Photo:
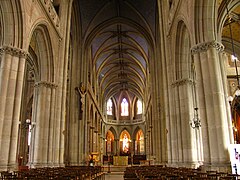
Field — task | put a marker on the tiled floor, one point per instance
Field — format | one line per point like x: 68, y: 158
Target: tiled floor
x: 114, y: 176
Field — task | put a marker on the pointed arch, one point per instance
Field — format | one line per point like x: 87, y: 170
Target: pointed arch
x: 139, y: 142
x: 41, y: 44
x: 112, y: 129
x: 125, y: 139
x: 183, y: 54
x: 109, y: 142
x: 13, y: 24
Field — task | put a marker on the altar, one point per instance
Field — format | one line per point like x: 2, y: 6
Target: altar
x: 120, y: 160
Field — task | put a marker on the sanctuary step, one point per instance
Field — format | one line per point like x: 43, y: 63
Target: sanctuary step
x: 113, y: 168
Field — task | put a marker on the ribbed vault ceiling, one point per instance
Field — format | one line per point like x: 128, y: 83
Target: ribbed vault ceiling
x: 233, y: 20
x: 121, y: 60
x: 120, y: 34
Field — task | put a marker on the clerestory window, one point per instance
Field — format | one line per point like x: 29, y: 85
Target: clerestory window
x: 139, y: 107
x: 124, y: 107
x: 109, y: 107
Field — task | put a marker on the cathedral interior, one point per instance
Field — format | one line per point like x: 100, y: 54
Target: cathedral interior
x: 119, y: 83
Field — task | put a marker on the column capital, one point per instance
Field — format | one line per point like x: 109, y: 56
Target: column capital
x: 202, y: 47
x: 45, y: 84
x: 183, y: 82
x: 13, y: 51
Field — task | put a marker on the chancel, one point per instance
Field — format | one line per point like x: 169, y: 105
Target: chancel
x: 91, y: 87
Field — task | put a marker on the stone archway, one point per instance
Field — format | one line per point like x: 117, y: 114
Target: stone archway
x: 40, y: 88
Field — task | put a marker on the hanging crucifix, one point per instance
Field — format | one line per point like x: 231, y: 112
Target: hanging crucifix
x: 82, y: 92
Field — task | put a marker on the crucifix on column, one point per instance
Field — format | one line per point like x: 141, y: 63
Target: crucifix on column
x: 82, y: 92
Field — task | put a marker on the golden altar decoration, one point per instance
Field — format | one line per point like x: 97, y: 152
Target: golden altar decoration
x: 120, y: 160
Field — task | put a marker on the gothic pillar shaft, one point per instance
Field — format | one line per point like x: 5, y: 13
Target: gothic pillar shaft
x: 133, y: 146
x: 11, y: 82
x: 225, y: 85
x: 61, y: 79
x: 40, y: 125
x: 114, y: 144
x: 183, y: 138
x: 47, y: 122
x: 42, y: 139
x: 214, y: 124
x: 17, y: 107
x: 51, y: 126
x: 57, y: 129
x: 5, y: 73
x: 97, y: 141
x: 91, y: 139
x: 117, y: 147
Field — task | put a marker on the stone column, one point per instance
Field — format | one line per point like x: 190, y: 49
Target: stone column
x: 102, y: 143
x: 61, y: 79
x: 114, y: 144
x: 212, y: 103
x: 12, y: 66
x: 117, y: 147
x: 151, y: 140
x: 51, y: 126
x: 91, y: 131
x: 133, y: 146
x: 146, y: 146
x: 42, y: 129
x: 224, y: 62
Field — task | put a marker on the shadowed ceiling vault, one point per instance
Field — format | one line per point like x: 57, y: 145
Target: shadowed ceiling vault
x: 119, y: 35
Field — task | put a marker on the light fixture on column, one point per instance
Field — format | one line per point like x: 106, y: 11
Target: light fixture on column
x: 195, y: 123
x: 28, y: 124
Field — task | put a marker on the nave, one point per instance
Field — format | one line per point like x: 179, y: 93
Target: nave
x: 119, y: 81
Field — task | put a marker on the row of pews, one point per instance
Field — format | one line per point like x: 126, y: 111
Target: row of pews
x: 169, y: 173
x: 57, y: 173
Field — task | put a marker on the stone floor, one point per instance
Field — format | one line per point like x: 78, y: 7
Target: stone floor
x: 114, y: 176
x: 114, y: 172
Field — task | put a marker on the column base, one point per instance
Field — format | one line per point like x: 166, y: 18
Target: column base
x: 9, y: 167
x: 221, y: 167
x: 41, y: 165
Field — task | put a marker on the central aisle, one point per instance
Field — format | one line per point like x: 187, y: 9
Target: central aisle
x: 114, y: 172
x: 114, y: 176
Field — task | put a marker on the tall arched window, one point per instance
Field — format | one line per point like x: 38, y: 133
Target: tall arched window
x: 124, y: 107
x: 139, y: 107
x: 109, y: 107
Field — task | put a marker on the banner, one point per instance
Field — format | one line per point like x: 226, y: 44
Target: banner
x: 234, y: 152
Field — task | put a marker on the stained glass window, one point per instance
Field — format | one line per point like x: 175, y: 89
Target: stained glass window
x: 124, y: 107
x: 139, y: 107
x: 109, y: 107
